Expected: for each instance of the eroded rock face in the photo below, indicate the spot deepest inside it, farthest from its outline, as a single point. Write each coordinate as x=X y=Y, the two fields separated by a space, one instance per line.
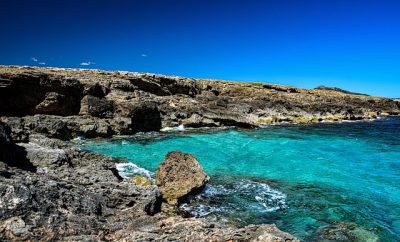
x=70 y=195
x=24 y=94
x=178 y=175
x=104 y=103
x=97 y=107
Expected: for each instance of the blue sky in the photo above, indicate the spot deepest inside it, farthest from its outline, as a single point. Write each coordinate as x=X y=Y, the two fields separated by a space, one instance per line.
x=354 y=45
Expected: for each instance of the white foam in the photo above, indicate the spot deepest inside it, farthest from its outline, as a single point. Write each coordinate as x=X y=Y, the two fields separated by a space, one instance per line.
x=127 y=170
x=177 y=128
x=201 y=210
x=214 y=190
x=261 y=197
x=79 y=138
x=267 y=197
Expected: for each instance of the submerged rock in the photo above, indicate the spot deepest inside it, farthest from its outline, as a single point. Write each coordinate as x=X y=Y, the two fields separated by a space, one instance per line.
x=179 y=175
x=342 y=231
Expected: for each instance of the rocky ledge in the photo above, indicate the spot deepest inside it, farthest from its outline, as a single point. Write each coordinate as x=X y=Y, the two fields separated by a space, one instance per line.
x=64 y=103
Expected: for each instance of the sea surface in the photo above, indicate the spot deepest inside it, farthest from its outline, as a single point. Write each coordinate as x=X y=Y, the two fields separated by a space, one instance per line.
x=303 y=178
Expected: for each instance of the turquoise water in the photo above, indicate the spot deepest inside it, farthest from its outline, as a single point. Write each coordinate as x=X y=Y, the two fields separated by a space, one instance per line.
x=302 y=178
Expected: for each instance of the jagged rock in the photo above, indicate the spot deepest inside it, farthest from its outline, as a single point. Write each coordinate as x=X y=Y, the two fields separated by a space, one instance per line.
x=178 y=176
x=71 y=193
x=41 y=156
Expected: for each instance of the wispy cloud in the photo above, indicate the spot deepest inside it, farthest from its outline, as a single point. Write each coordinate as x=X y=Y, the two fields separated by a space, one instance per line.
x=42 y=63
x=87 y=63
x=144 y=55
x=34 y=59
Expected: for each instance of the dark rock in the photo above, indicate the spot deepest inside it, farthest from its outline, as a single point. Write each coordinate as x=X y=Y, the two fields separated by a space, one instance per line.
x=145 y=117
x=96 y=107
x=6 y=143
x=20 y=94
x=178 y=176
x=24 y=94
x=96 y=90
x=10 y=153
x=58 y=104
x=52 y=126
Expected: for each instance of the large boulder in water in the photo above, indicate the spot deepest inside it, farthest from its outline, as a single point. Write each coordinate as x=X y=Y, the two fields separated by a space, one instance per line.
x=179 y=175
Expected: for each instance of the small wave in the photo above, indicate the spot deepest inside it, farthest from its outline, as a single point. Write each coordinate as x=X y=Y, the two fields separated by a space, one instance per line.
x=263 y=126
x=213 y=190
x=221 y=200
x=266 y=196
x=177 y=128
x=128 y=170
x=79 y=138
x=201 y=210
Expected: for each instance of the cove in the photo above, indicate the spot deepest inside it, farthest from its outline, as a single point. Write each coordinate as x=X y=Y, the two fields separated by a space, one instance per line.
x=303 y=178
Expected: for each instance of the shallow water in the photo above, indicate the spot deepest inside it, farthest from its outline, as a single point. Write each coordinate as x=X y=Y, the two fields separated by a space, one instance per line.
x=302 y=178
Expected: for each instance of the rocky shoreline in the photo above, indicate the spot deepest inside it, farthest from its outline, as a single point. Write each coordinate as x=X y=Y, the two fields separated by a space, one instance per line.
x=52 y=191
x=65 y=103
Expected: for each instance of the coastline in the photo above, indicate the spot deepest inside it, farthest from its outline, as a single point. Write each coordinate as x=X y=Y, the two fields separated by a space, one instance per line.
x=43 y=109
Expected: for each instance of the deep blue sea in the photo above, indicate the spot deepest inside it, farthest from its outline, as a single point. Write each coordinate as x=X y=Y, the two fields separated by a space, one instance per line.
x=303 y=178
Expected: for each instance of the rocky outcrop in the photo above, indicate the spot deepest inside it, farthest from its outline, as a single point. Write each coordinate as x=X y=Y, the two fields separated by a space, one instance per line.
x=69 y=194
x=99 y=103
x=178 y=176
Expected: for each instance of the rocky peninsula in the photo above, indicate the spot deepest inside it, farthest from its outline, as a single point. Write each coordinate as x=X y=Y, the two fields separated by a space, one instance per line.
x=51 y=190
